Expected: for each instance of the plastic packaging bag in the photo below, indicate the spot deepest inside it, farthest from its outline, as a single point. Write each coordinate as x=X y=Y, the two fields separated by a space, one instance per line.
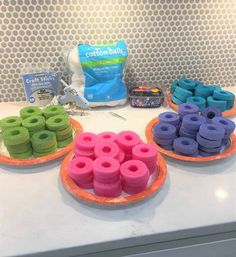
x=97 y=73
x=40 y=84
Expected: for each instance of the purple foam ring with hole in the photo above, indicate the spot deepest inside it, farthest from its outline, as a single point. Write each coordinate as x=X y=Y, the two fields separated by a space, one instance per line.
x=188 y=131
x=169 y=117
x=164 y=130
x=210 y=150
x=185 y=145
x=211 y=131
x=190 y=155
x=193 y=121
x=227 y=124
x=205 y=154
x=161 y=141
x=188 y=108
x=184 y=134
x=167 y=147
x=210 y=112
x=208 y=143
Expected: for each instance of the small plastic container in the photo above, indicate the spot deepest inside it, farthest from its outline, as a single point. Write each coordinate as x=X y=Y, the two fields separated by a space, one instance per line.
x=146 y=97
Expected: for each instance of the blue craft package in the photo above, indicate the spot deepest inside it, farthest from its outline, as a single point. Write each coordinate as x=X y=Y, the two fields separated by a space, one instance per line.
x=99 y=71
x=40 y=87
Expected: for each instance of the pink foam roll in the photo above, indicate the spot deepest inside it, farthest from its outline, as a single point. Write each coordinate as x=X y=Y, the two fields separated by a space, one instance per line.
x=107 y=135
x=83 y=153
x=121 y=156
x=131 y=190
x=106 y=170
x=145 y=152
x=80 y=169
x=107 y=190
x=85 y=185
x=106 y=148
x=127 y=140
x=152 y=168
x=86 y=141
x=127 y=157
x=134 y=172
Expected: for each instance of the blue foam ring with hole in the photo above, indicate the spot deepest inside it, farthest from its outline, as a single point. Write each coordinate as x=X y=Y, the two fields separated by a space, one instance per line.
x=167 y=147
x=183 y=91
x=187 y=84
x=164 y=130
x=220 y=104
x=181 y=97
x=176 y=100
x=227 y=124
x=185 y=145
x=210 y=150
x=205 y=154
x=223 y=95
x=173 y=86
x=193 y=121
x=161 y=141
x=191 y=131
x=169 y=117
x=188 y=108
x=211 y=131
x=184 y=134
x=188 y=131
x=198 y=100
x=190 y=155
x=210 y=112
x=202 y=91
x=208 y=143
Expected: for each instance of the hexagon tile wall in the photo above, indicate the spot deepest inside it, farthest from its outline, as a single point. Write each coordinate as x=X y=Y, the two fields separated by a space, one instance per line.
x=166 y=38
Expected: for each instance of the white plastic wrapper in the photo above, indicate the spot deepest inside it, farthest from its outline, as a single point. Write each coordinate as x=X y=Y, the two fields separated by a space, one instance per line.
x=97 y=73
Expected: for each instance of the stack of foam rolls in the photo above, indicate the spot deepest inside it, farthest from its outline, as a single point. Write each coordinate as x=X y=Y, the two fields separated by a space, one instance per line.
x=110 y=163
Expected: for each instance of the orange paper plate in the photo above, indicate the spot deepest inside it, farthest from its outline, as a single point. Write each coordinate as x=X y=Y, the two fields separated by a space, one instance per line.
x=228 y=152
x=84 y=195
x=227 y=113
x=33 y=161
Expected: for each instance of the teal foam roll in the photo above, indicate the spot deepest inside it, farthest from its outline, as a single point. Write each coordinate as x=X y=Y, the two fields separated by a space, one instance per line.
x=176 y=100
x=220 y=104
x=198 y=100
x=181 y=97
x=187 y=84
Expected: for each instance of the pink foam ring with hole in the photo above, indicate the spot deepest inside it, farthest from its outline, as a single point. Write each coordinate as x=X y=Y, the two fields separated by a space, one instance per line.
x=152 y=168
x=106 y=148
x=134 y=173
x=107 y=135
x=86 y=141
x=85 y=185
x=106 y=170
x=80 y=169
x=83 y=153
x=146 y=153
x=127 y=140
x=131 y=190
x=121 y=156
x=107 y=190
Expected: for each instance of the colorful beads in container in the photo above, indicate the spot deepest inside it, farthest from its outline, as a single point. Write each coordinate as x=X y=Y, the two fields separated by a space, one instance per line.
x=109 y=163
x=193 y=133
x=191 y=91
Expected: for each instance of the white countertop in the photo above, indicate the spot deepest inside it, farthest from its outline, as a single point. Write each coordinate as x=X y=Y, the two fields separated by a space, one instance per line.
x=37 y=215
